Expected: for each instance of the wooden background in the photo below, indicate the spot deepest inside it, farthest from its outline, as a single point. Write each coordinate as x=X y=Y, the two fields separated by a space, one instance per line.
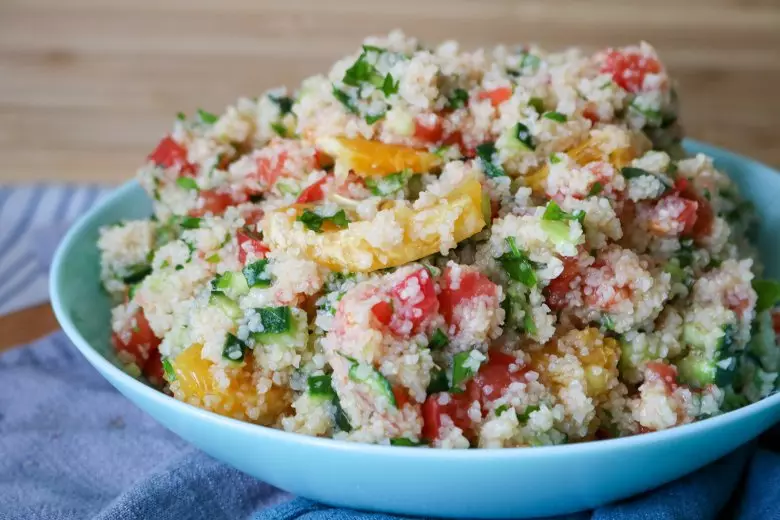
x=87 y=86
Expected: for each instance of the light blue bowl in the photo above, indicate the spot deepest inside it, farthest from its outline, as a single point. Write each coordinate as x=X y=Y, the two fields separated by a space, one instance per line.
x=470 y=483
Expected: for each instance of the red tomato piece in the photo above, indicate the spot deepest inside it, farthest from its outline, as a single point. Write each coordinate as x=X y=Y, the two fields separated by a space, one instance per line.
x=213 y=202
x=313 y=192
x=704 y=219
x=556 y=291
x=153 y=370
x=414 y=302
x=497 y=95
x=271 y=168
x=322 y=160
x=137 y=344
x=428 y=128
x=401 y=396
x=383 y=312
x=457 y=408
x=628 y=69
x=665 y=373
x=250 y=242
x=253 y=216
x=494 y=376
x=169 y=154
x=471 y=285
x=776 y=322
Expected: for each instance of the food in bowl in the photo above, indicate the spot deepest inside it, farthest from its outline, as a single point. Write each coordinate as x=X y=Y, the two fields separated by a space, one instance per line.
x=455 y=249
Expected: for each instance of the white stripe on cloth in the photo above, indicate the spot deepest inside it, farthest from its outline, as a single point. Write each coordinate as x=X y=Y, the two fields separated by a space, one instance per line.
x=32 y=220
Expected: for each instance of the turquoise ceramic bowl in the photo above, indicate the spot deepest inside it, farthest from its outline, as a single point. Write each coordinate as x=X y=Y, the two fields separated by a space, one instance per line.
x=470 y=483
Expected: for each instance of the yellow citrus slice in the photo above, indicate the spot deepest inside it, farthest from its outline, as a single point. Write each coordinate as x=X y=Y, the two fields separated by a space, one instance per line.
x=399 y=234
x=373 y=158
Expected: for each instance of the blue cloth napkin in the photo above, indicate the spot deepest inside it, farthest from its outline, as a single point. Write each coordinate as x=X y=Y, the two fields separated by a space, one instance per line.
x=72 y=447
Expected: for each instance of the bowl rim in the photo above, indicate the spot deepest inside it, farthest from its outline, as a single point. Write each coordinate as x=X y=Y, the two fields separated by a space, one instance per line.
x=111 y=372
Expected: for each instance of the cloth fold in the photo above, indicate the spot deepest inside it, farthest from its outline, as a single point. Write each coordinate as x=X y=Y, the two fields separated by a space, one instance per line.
x=72 y=447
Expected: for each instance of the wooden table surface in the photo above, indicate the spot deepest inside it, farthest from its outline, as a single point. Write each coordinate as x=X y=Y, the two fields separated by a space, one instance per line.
x=88 y=86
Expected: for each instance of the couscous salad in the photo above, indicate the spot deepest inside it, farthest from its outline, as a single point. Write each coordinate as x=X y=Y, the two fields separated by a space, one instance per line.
x=428 y=246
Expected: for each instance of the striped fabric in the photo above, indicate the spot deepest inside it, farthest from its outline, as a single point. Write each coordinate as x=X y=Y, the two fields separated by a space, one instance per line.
x=32 y=221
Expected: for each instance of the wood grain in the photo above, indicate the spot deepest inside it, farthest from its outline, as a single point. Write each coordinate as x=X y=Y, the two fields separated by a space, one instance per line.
x=87 y=86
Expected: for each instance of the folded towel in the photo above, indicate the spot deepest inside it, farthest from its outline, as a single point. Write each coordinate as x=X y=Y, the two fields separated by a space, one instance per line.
x=72 y=447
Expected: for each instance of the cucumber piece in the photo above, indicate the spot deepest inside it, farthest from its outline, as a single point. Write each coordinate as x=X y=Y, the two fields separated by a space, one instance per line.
x=282 y=326
x=518 y=138
x=233 y=284
x=234 y=349
x=558 y=232
x=256 y=274
x=321 y=386
x=362 y=373
x=228 y=306
x=696 y=372
x=438 y=382
x=698 y=337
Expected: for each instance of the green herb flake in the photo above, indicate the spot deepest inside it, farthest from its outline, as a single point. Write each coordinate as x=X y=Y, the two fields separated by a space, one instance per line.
x=439 y=340
x=438 y=382
x=343 y=98
x=517 y=265
x=136 y=273
x=361 y=71
x=389 y=86
x=314 y=222
x=501 y=409
x=554 y=212
x=458 y=99
x=321 y=386
x=595 y=189
x=768 y=292
x=371 y=119
x=275 y=319
x=537 y=104
x=234 y=349
x=522 y=418
x=187 y=183
x=555 y=116
x=342 y=420
x=284 y=103
x=528 y=321
x=460 y=371
x=630 y=172
x=523 y=134
x=280 y=129
x=607 y=322
x=373 y=48
x=485 y=152
x=403 y=441
x=256 y=274
x=387 y=185
x=170 y=373
x=181 y=116
x=213 y=259
x=207 y=117
x=190 y=222
x=554 y=159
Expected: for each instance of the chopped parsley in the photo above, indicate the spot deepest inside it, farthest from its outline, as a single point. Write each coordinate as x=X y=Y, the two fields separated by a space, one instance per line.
x=523 y=134
x=136 y=273
x=485 y=152
x=517 y=265
x=630 y=172
x=462 y=369
x=371 y=119
x=438 y=382
x=501 y=409
x=188 y=183
x=607 y=323
x=595 y=189
x=284 y=103
x=554 y=159
x=362 y=71
x=522 y=418
x=170 y=373
x=213 y=259
x=389 y=86
x=345 y=100
x=555 y=213
x=181 y=116
x=389 y=184
x=555 y=116
x=257 y=275
x=768 y=292
x=207 y=117
x=438 y=340
x=457 y=99
x=314 y=222
x=279 y=128
x=190 y=222
x=403 y=441
x=537 y=104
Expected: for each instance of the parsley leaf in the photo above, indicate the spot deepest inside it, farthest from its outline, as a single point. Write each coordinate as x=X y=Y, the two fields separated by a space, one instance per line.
x=768 y=292
x=345 y=100
x=555 y=116
x=554 y=212
x=630 y=172
x=387 y=185
x=595 y=189
x=283 y=102
x=373 y=119
x=438 y=340
x=537 y=104
x=280 y=129
x=389 y=86
x=360 y=71
x=314 y=221
x=457 y=99
x=485 y=152
x=188 y=183
x=523 y=134
x=517 y=265
x=207 y=117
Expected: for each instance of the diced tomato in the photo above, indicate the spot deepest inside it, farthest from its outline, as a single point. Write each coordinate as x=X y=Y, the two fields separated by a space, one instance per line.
x=250 y=242
x=270 y=168
x=472 y=284
x=494 y=376
x=153 y=370
x=776 y=322
x=169 y=154
x=414 y=301
x=497 y=95
x=457 y=408
x=590 y=113
x=137 y=344
x=383 y=312
x=559 y=287
x=322 y=160
x=664 y=372
x=313 y=192
x=213 y=202
x=628 y=69
x=673 y=215
x=429 y=128
x=401 y=396
x=737 y=301
x=253 y=216
x=700 y=225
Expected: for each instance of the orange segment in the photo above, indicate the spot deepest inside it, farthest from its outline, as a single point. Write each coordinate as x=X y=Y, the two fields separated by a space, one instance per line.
x=195 y=384
x=373 y=158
